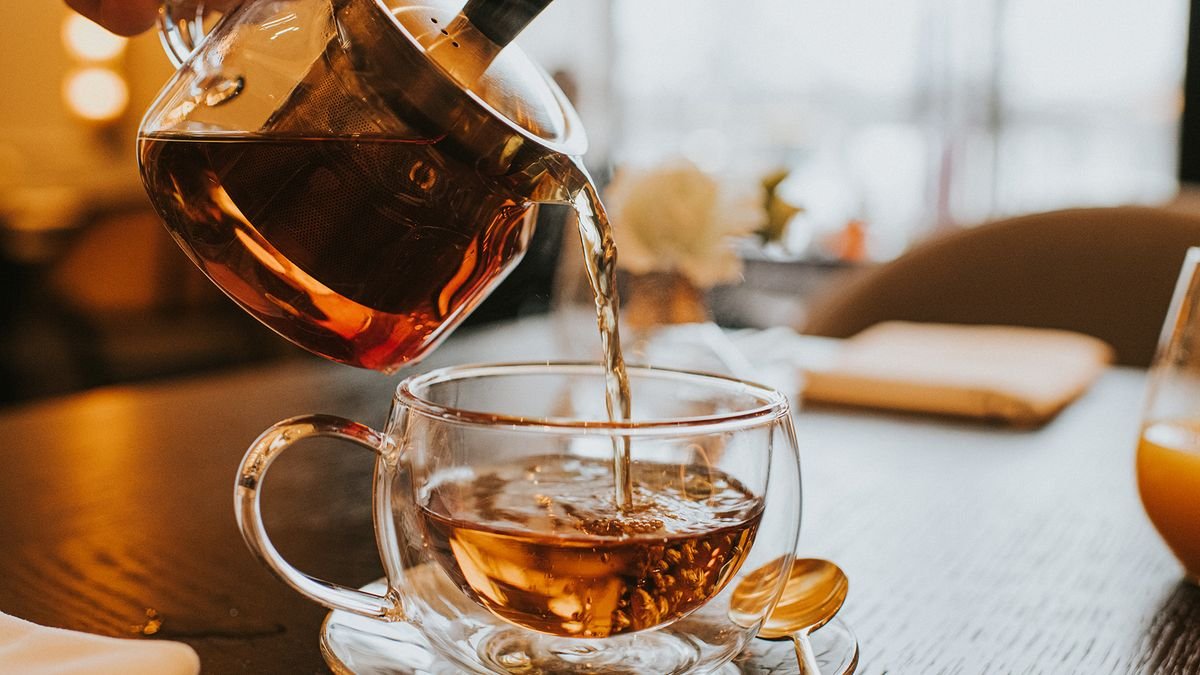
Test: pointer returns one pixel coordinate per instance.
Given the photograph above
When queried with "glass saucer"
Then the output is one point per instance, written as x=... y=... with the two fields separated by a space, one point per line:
x=356 y=645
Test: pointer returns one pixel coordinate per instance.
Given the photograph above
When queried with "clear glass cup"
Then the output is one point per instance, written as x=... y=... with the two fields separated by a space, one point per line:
x=1168 y=454
x=498 y=531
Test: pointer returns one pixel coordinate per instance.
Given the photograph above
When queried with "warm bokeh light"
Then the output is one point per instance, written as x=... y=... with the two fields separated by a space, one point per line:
x=96 y=94
x=89 y=42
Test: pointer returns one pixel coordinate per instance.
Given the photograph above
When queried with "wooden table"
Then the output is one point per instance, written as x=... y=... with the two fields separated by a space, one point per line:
x=970 y=548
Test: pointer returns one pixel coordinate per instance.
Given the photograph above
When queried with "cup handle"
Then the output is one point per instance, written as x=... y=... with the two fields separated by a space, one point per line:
x=265 y=449
x=181 y=29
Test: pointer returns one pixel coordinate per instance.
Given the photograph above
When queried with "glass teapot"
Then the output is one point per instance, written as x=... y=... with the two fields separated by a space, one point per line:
x=357 y=174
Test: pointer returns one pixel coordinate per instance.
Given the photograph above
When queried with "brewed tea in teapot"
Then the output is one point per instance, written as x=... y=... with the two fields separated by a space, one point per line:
x=349 y=191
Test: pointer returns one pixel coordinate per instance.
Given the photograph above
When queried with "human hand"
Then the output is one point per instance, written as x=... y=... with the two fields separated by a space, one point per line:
x=130 y=17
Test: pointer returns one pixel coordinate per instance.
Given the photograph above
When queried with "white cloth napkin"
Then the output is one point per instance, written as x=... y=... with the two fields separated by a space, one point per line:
x=29 y=649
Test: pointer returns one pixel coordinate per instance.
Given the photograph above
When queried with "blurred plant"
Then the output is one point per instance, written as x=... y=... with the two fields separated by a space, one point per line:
x=779 y=211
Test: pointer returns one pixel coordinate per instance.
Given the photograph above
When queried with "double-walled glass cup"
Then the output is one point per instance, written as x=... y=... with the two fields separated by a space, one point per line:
x=500 y=536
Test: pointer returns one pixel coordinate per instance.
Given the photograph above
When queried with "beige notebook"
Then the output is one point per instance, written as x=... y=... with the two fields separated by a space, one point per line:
x=1019 y=375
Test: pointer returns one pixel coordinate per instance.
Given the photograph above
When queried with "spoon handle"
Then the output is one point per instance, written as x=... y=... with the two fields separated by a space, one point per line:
x=804 y=654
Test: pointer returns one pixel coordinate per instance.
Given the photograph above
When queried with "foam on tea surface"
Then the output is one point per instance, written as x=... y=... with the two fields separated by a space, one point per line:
x=541 y=542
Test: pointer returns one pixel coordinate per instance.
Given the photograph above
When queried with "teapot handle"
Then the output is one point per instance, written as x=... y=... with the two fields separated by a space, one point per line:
x=181 y=29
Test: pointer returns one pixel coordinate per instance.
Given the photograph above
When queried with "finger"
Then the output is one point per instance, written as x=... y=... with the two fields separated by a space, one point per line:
x=123 y=17
x=188 y=6
x=222 y=5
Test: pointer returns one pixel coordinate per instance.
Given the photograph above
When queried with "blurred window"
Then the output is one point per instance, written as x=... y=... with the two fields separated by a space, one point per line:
x=907 y=114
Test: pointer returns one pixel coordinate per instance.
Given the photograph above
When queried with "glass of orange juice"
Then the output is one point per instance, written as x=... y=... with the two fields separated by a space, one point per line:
x=1168 y=455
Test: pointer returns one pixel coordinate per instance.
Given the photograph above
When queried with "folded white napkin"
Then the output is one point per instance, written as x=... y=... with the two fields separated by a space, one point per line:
x=29 y=649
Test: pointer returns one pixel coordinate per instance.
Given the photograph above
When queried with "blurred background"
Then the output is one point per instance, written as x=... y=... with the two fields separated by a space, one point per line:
x=884 y=122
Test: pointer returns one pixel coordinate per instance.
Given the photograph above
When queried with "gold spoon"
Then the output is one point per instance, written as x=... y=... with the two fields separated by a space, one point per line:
x=813 y=594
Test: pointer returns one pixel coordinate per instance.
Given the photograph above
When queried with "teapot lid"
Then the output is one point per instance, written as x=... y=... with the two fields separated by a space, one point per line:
x=513 y=88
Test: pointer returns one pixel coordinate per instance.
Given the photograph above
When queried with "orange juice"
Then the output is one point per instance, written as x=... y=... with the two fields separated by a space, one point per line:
x=1168 y=468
